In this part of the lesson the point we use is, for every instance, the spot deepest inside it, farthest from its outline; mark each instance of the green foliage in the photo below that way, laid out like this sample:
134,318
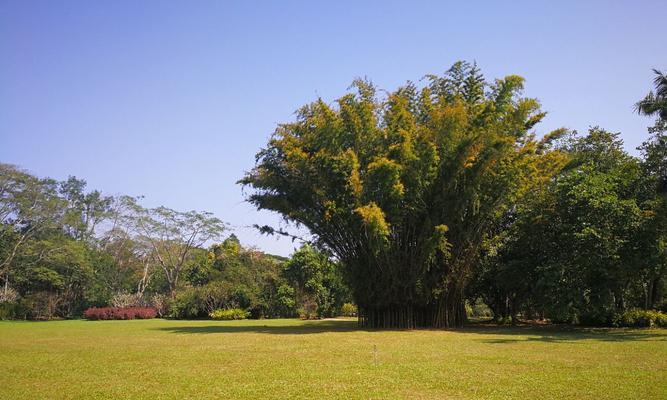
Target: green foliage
316,283
12,310
477,309
641,319
171,235
231,276
349,310
188,304
229,314
581,249
286,300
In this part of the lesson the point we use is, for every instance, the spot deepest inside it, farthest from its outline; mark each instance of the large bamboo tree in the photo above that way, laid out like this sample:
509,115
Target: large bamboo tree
403,188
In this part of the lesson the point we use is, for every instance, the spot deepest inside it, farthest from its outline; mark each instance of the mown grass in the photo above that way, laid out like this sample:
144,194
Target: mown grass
288,359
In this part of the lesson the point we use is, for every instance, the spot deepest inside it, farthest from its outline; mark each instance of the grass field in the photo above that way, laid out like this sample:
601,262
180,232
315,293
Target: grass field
281,359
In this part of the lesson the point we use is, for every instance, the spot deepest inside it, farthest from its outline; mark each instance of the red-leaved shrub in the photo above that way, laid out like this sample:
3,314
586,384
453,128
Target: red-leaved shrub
105,313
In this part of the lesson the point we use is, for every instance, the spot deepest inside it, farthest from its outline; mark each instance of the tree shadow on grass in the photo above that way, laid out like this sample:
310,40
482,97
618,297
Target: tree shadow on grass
308,327
561,333
510,334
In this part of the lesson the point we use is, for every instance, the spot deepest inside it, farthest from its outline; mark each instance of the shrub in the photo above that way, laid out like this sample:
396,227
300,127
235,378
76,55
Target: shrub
188,304
216,295
108,313
229,314
641,318
478,309
349,310
506,320
12,310
42,305
308,310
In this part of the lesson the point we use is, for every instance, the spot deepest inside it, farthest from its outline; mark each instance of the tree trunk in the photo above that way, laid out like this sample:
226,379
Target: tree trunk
449,312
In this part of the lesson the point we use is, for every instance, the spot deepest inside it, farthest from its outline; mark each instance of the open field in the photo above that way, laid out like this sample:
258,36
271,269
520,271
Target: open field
165,359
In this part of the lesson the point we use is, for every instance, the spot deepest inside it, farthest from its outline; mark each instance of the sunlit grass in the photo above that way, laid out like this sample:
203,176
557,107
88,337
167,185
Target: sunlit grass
163,359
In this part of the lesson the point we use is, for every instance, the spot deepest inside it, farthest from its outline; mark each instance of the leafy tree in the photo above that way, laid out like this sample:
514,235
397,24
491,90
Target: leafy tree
29,207
124,264
317,286
85,211
573,251
172,235
200,268
403,190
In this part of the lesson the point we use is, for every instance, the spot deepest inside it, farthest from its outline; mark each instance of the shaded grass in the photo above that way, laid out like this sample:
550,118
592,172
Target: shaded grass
163,359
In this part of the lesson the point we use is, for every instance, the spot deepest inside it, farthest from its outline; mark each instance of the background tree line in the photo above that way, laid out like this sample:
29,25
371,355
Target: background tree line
64,249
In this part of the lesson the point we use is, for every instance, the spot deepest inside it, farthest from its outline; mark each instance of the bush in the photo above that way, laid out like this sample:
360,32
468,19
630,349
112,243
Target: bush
349,310
308,310
108,313
229,314
478,309
216,296
42,305
12,310
638,318
188,304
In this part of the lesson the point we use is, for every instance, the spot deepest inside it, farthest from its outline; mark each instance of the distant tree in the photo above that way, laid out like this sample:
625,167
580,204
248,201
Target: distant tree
29,207
170,236
85,211
56,276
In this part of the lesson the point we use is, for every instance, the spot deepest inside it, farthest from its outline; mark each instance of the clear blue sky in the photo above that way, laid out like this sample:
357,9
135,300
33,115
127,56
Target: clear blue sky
171,100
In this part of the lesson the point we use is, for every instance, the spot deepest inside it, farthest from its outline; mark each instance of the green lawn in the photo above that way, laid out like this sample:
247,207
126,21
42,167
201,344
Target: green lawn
163,359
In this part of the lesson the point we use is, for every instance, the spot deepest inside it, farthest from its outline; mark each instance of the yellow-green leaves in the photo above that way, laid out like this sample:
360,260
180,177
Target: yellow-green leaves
354,180
383,182
442,244
373,220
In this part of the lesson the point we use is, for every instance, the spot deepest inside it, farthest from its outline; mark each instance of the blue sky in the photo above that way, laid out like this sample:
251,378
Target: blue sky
171,100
